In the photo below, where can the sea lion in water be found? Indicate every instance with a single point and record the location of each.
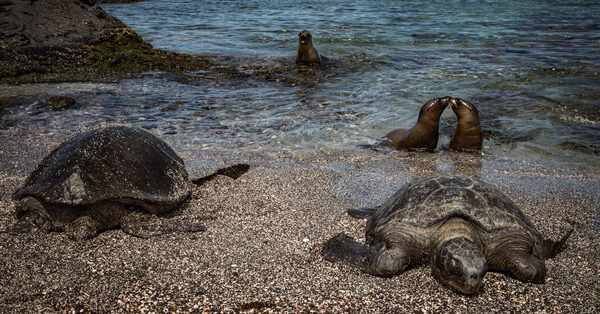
(307, 54)
(424, 134)
(468, 136)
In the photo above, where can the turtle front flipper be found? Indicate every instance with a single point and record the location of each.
(516, 254)
(399, 247)
(389, 262)
(342, 248)
(82, 228)
(361, 213)
(147, 225)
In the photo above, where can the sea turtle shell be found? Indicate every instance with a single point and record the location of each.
(118, 163)
(427, 201)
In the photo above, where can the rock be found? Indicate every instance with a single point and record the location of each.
(59, 103)
(56, 23)
(62, 40)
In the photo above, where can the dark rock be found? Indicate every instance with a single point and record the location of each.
(116, 1)
(53, 23)
(59, 102)
(66, 40)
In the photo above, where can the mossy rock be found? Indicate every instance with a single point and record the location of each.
(59, 103)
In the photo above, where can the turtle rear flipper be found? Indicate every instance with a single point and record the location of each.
(146, 225)
(361, 213)
(342, 248)
(552, 248)
(233, 172)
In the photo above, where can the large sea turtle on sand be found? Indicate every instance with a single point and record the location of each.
(107, 177)
(463, 226)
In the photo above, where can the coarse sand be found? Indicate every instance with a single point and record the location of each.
(261, 249)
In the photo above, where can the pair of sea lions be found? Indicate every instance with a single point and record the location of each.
(424, 134)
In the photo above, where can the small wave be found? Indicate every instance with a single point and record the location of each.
(578, 119)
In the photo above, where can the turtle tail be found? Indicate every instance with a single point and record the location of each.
(361, 213)
(552, 248)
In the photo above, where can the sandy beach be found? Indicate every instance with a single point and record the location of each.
(261, 250)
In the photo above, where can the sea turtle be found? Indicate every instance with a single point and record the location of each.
(103, 178)
(462, 225)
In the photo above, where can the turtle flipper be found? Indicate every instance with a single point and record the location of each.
(552, 248)
(361, 213)
(342, 248)
(233, 172)
(388, 262)
(146, 225)
(82, 228)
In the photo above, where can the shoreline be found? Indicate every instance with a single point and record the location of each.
(264, 233)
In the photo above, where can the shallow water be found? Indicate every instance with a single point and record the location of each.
(531, 68)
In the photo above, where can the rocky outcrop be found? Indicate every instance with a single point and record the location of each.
(60, 40)
(53, 23)
(116, 1)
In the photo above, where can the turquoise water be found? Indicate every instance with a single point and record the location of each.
(531, 67)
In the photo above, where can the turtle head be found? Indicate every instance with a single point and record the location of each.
(459, 263)
(462, 108)
(32, 217)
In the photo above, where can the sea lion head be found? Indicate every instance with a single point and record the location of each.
(305, 38)
(432, 110)
(464, 109)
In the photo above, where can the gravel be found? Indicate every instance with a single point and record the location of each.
(261, 249)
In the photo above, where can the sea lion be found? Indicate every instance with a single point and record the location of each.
(307, 54)
(468, 136)
(424, 134)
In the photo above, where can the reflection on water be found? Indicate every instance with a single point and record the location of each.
(530, 67)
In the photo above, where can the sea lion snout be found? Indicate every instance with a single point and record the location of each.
(456, 103)
(440, 103)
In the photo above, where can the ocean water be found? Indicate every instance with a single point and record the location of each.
(532, 68)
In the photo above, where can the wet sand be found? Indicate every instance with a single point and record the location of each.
(265, 230)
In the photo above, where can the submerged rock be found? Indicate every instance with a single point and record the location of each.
(59, 102)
